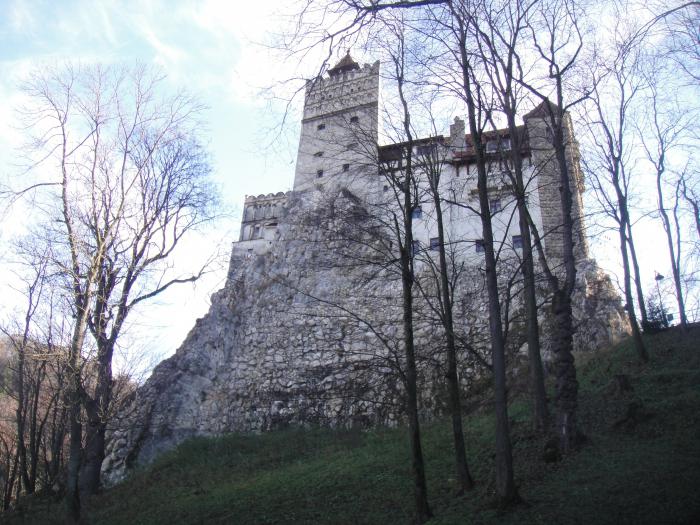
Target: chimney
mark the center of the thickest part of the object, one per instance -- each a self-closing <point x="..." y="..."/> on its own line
<point x="457" y="139"/>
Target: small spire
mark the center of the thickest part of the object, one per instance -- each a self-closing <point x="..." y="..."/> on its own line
<point x="345" y="64"/>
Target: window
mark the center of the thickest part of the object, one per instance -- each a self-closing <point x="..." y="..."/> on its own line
<point x="319" y="174"/>
<point x="425" y="150"/>
<point x="495" y="205"/>
<point x="386" y="187"/>
<point x="479" y="245"/>
<point x="354" y="120"/>
<point x="321" y="126"/>
<point x="494" y="145"/>
<point x="318" y="154"/>
<point x="352" y="145"/>
<point x="434" y="243"/>
<point x="417" y="213"/>
<point x="346" y="167"/>
<point x="517" y="242"/>
<point x="415" y="248"/>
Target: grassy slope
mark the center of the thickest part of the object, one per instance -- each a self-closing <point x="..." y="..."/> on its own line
<point x="644" y="470"/>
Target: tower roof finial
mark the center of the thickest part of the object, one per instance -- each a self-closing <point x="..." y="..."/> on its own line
<point x="346" y="64"/>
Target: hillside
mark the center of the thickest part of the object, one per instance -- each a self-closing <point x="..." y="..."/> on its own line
<point x="641" y="463"/>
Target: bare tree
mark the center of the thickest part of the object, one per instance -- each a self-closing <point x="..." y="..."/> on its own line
<point x="124" y="179"/>
<point x="36" y="362"/>
<point x="557" y="40"/>
<point x="616" y="87"/>
<point x="668" y="131"/>
<point x="498" y="33"/>
<point x="406" y="190"/>
<point x="505" y="483"/>
<point x="431" y="162"/>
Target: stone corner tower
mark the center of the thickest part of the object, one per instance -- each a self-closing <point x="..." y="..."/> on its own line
<point x="540" y="137"/>
<point x="339" y="128"/>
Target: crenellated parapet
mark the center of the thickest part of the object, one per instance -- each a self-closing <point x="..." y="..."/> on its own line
<point x="346" y="89"/>
<point x="261" y="215"/>
<point x="339" y="128"/>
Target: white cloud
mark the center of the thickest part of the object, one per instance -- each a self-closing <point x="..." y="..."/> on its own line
<point x="21" y="17"/>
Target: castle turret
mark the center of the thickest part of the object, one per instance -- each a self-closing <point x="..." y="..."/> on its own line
<point x="540" y="137"/>
<point x="339" y="127"/>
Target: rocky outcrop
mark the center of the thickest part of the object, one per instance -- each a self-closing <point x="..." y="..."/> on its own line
<point x="299" y="336"/>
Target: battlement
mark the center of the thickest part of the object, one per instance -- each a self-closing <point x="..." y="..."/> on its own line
<point x="266" y="198"/>
<point x="261" y="214"/>
<point x="321" y="82"/>
<point x="351" y="88"/>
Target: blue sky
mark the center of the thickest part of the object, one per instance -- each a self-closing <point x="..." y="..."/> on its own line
<point x="216" y="50"/>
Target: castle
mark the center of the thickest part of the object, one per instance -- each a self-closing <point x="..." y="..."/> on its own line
<point x="338" y="149"/>
<point x="298" y="337"/>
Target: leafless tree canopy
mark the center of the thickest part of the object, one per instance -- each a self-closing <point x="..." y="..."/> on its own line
<point x="118" y="176"/>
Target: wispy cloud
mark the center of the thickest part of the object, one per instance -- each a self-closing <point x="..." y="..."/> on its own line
<point x="21" y="17"/>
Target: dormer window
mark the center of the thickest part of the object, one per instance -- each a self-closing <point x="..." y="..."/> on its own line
<point x="354" y="120"/>
<point x="318" y="154"/>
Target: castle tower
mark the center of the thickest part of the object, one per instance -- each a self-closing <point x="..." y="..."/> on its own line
<point x="339" y="127"/>
<point x="540" y="137"/>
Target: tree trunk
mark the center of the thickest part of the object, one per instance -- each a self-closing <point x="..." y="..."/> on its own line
<point x="97" y="409"/>
<point x="636" y="334"/>
<point x="637" y="275"/>
<point x="671" y="252"/>
<point x="93" y="457"/>
<point x="566" y="382"/>
<point x="463" y="476"/>
<point x="540" y="411"/>
<point x="58" y="435"/>
<point x="10" y="483"/>
<point x="74" y="412"/>
<point x="21" y="413"/>
<point x="423" y="512"/>
<point x="75" y="451"/>
<point x="506" y="491"/>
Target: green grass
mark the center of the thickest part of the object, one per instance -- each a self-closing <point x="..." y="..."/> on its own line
<point x="642" y="470"/>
